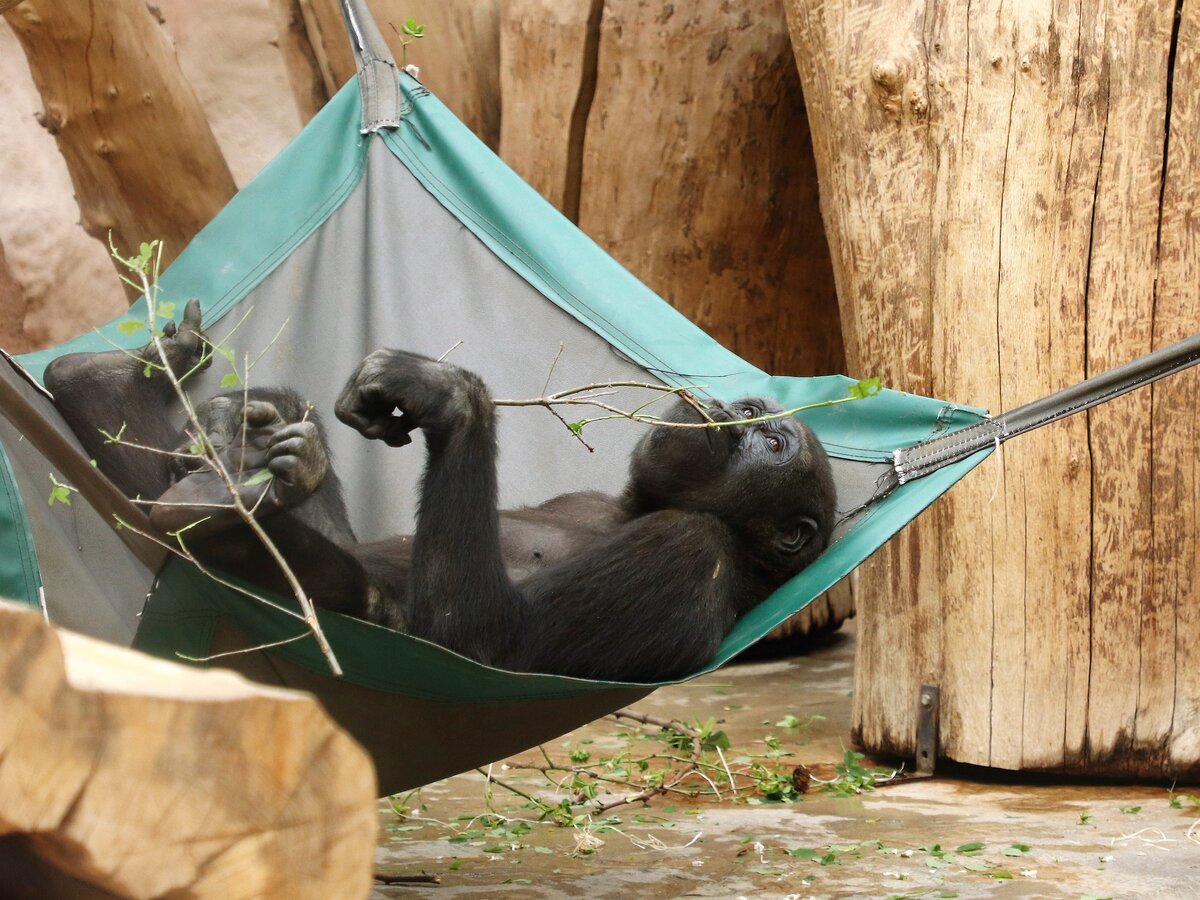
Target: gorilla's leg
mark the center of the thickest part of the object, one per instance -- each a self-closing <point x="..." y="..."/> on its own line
<point x="461" y="596"/>
<point x="116" y="392"/>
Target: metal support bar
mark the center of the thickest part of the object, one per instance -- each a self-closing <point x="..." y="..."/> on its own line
<point x="927" y="728"/>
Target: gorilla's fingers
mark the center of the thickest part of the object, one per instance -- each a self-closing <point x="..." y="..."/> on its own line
<point x="261" y="413"/>
<point x="396" y="433"/>
<point x="365" y="408"/>
<point x="169" y="329"/>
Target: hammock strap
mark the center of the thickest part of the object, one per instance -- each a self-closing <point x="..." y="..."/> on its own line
<point x="929" y="456"/>
<point x="378" y="84"/>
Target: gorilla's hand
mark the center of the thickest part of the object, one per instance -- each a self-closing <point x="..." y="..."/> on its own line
<point x="437" y="397"/>
<point x="297" y="459"/>
<point x="185" y="345"/>
<point x="292" y="452"/>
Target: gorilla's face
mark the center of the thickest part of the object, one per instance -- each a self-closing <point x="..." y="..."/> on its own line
<point x="769" y="481"/>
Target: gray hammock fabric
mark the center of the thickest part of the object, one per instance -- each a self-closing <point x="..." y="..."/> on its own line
<point x="386" y="223"/>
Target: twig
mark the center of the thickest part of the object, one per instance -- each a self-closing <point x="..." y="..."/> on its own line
<point x="672" y="724"/>
<point x="442" y="358"/>
<point x="492" y="779"/>
<point x="553" y="363"/>
<point x="150" y="288"/>
<point x="203" y="659"/>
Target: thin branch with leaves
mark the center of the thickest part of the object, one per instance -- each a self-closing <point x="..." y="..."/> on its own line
<point x="144" y="276"/>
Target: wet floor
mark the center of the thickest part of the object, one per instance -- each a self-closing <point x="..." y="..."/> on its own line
<point x="965" y="836"/>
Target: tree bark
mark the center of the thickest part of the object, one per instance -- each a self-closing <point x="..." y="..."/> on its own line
<point x="549" y="50"/>
<point x="142" y="158"/>
<point x="12" y="311"/>
<point x="312" y="83"/>
<point x="1008" y="190"/>
<point x="129" y="775"/>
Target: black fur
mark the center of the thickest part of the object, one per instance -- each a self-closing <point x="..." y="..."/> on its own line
<point x="641" y="587"/>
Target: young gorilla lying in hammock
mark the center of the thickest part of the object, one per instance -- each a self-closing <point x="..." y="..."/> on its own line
<point x="641" y="587"/>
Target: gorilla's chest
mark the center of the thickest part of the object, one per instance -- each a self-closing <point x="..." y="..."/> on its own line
<point x="533" y="538"/>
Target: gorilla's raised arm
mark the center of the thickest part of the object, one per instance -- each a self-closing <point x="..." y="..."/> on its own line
<point x="459" y="594"/>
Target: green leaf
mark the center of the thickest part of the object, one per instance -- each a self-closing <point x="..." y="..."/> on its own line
<point x="577" y="427"/>
<point x="788" y="721"/>
<point x="803" y="853"/>
<point x="1016" y="850"/>
<point x="1131" y="810"/>
<point x="145" y="251"/>
<point x="455" y="865"/>
<point x="973" y="847"/>
<point x="230" y="380"/>
<point x="130" y="326"/>
<point x="867" y="387"/>
<point x="166" y="309"/>
<point x="258" y="477"/>
<point x="975" y="865"/>
<point x="1001" y="874"/>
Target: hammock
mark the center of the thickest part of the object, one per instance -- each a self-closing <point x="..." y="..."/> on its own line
<point x="387" y="223"/>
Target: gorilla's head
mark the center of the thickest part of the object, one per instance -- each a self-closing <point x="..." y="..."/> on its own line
<point x="769" y="481"/>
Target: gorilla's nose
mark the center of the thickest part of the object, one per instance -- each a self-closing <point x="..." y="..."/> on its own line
<point x="719" y="411"/>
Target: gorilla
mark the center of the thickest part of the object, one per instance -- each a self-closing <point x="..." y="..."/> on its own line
<point x="637" y="587"/>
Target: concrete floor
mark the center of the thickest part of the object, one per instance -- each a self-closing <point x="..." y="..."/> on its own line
<point x="966" y="836"/>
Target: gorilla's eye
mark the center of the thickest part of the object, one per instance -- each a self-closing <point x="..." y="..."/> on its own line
<point x="774" y="442"/>
<point x="748" y="412"/>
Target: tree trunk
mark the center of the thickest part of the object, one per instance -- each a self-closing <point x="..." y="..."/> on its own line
<point x="549" y="49"/>
<point x="696" y="176"/>
<point x="1008" y="190"/>
<point x="125" y="774"/>
<point x="141" y="155"/>
<point x="312" y="83"/>
<point x="12" y="311"/>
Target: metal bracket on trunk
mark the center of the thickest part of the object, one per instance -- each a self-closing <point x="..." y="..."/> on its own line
<point x="927" y="728"/>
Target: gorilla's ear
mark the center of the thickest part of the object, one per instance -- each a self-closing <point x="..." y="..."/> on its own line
<point x="796" y="536"/>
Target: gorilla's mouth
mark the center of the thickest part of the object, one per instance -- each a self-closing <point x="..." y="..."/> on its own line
<point x="726" y="438"/>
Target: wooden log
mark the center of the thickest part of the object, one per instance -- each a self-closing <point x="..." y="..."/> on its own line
<point x="311" y="81"/>
<point x="124" y="775"/>
<point x="697" y="177"/>
<point x="548" y="79"/>
<point x="142" y="158"/>
<point x="1009" y="198"/>
<point x="12" y="310"/>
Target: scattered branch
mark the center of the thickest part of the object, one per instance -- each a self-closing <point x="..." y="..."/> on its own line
<point x="145" y="268"/>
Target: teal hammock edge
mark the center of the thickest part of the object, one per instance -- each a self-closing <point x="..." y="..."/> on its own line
<point x="20" y="577"/>
<point x="186" y="607"/>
